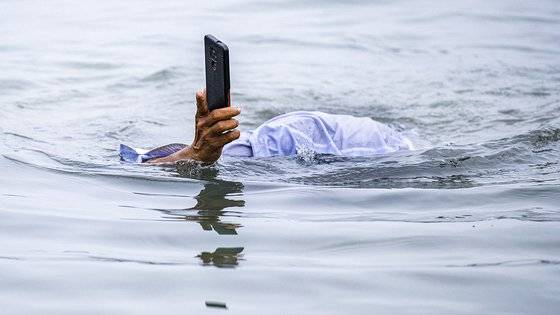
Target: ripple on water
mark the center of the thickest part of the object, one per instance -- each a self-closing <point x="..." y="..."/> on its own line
<point x="16" y="86"/>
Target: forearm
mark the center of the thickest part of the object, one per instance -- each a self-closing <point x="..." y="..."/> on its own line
<point x="185" y="154"/>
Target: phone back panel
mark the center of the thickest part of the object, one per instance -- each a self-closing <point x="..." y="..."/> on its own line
<point x="217" y="72"/>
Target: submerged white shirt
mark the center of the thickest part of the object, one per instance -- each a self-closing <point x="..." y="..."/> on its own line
<point x="300" y="131"/>
<point x="319" y="132"/>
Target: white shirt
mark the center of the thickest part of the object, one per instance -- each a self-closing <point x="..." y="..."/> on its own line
<point x="318" y="132"/>
<point x="300" y="131"/>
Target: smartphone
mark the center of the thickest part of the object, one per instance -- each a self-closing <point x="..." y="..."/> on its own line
<point x="217" y="73"/>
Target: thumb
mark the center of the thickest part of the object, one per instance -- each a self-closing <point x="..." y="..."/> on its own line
<point x="201" y="103"/>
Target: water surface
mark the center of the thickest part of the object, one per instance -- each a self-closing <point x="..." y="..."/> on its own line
<point x="468" y="223"/>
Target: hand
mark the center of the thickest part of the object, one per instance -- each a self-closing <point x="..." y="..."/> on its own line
<point x="213" y="130"/>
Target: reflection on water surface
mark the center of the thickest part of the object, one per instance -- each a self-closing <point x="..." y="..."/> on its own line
<point x="222" y="257"/>
<point x="210" y="205"/>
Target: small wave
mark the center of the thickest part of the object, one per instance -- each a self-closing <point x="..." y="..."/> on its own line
<point x="10" y="258"/>
<point x="509" y="263"/>
<point x="164" y="75"/>
<point x="293" y="42"/>
<point x="509" y="18"/>
<point x="84" y="65"/>
<point x="516" y="92"/>
<point x="505" y="18"/>
<point x="13" y="85"/>
<point x="542" y="138"/>
<point x="135" y="261"/>
<point x="22" y="137"/>
<point x="515" y="48"/>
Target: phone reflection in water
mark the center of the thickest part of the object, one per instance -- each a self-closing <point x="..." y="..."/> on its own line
<point x="209" y="210"/>
<point x="222" y="257"/>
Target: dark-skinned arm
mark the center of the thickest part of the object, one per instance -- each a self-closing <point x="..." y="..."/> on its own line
<point x="213" y="130"/>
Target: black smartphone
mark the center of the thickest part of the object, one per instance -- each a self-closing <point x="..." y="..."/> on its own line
<point x="217" y="73"/>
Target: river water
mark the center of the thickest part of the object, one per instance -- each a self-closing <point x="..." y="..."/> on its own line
<point x="468" y="223"/>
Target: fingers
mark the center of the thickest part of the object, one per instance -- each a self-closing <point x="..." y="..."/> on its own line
<point x="216" y="128"/>
<point x="222" y="126"/>
<point x="226" y="138"/>
<point x="201" y="103"/>
<point x="218" y="115"/>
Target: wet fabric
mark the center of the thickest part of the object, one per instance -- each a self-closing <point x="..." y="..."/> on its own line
<point x="135" y="155"/>
<point x="318" y="132"/>
<point x="300" y="131"/>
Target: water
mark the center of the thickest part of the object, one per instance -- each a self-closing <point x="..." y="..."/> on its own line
<point x="469" y="223"/>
